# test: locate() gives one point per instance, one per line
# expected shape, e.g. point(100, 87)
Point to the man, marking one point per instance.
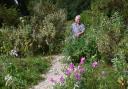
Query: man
point(77, 27)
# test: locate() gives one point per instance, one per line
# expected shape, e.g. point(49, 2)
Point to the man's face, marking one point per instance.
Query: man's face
point(77, 20)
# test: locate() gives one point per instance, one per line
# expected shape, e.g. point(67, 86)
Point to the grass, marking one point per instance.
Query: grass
point(21, 73)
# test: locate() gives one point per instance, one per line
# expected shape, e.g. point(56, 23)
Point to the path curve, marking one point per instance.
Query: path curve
point(55, 71)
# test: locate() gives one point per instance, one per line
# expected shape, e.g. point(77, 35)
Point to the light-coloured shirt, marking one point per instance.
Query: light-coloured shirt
point(76, 28)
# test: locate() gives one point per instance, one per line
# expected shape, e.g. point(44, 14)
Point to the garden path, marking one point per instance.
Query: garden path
point(55, 72)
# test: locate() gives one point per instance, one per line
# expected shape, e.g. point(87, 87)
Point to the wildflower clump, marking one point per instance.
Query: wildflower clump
point(71, 71)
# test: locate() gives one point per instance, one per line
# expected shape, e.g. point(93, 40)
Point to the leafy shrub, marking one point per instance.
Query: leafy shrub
point(73, 7)
point(83, 46)
point(109, 33)
point(41, 33)
point(48, 25)
point(8, 16)
point(109, 7)
point(15, 38)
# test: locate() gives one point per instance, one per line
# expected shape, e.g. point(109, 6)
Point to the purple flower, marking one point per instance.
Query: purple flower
point(81, 69)
point(94, 64)
point(62, 79)
point(71, 66)
point(68, 72)
point(77, 75)
point(82, 60)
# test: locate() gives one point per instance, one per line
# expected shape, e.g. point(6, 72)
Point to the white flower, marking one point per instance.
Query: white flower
point(76, 85)
point(14, 53)
point(8, 79)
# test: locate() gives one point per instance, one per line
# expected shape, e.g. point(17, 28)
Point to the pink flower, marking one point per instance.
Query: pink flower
point(82, 60)
point(81, 69)
point(94, 64)
point(52, 80)
point(62, 79)
point(68, 72)
point(71, 66)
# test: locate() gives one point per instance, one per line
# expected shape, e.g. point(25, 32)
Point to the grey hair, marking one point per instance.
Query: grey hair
point(77, 16)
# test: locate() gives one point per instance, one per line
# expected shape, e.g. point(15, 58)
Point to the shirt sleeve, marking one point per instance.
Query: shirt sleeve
point(73, 29)
point(82, 27)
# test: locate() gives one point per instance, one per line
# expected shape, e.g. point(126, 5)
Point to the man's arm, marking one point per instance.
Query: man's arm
point(82, 30)
point(80, 33)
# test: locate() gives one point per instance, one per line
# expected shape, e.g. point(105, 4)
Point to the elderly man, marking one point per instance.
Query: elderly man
point(77, 27)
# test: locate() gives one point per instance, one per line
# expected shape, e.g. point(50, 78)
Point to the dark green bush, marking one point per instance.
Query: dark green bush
point(73, 7)
point(109, 7)
point(84, 46)
point(8, 16)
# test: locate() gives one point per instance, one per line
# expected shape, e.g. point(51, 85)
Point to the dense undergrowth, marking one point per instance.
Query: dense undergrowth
point(98, 59)
point(21, 73)
point(104, 44)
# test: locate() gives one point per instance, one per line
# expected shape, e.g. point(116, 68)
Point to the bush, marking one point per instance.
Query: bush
point(8, 16)
point(109, 33)
point(73, 7)
point(41, 33)
point(109, 7)
point(15, 38)
point(80, 47)
point(49, 25)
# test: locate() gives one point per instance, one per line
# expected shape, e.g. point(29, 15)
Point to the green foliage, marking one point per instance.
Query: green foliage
point(109, 33)
point(123, 46)
point(49, 24)
point(109, 7)
point(18, 73)
point(8, 16)
point(41, 33)
point(12, 38)
point(70, 84)
point(73, 7)
point(105, 39)
point(103, 76)
point(76, 48)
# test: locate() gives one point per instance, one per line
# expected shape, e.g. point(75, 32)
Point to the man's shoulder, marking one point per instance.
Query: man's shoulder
point(82, 24)
point(73, 24)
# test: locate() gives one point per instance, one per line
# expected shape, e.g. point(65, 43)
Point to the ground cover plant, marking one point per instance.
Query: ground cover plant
point(21, 73)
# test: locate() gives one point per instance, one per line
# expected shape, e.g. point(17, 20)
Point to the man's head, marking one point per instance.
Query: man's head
point(77, 19)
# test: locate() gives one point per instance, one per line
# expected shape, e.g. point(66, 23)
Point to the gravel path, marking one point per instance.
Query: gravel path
point(54, 72)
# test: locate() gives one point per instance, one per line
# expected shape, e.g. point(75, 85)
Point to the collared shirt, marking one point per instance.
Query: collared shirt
point(76, 28)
